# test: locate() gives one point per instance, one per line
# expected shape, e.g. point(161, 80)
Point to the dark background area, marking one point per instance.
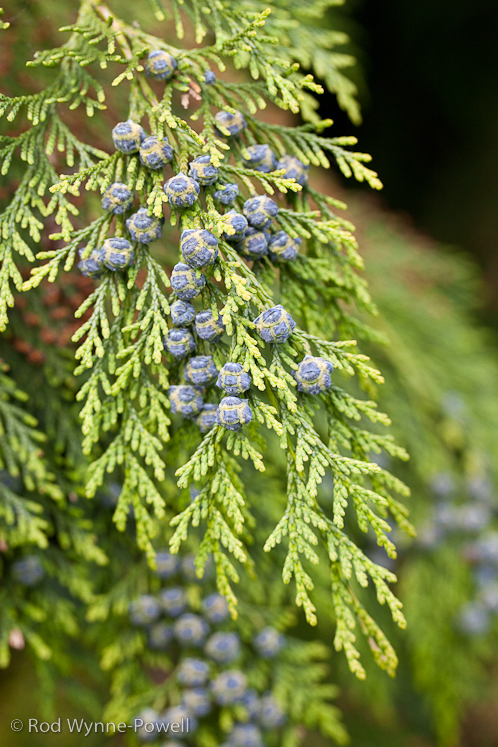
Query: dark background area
point(430, 108)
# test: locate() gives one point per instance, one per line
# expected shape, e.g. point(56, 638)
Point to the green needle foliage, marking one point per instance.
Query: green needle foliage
point(449, 415)
point(126, 423)
point(34, 512)
point(298, 490)
point(440, 370)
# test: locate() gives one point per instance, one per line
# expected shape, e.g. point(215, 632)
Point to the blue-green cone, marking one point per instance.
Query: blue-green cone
point(144, 610)
point(294, 169)
point(200, 370)
point(313, 375)
point(193, 672)
point(191, 630)
point(154, 153)
point(207, 417)
point(179, 342)
point(167, 565)
point(160, 65)
point(91, 266)
point(28, 571)
point(253, 245)
point(223, 647)
point(283, 248)
point(208, 328)
point(260, 158)
point(128, 136)
point(182, 314)
point(185, 282)
point(215, 607)
point(159, 636)
point(229, 687)
point(116, 253)
point(269, 642)
point(227, 194)
point(117, 199)
point(271, 716)
point(246, 735)
point(144, 227)
point(236, 221)
point(233, 379)
point(197, 702)
point(234, 123)
point(203, 171)
point(275, 324)
point(185, 400)
point(173, 600)
point(260, 210)
point(199, 247)
point(181, 191)
point(233, 413)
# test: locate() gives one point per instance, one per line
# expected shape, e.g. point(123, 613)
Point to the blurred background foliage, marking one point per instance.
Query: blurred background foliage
point(426, 83)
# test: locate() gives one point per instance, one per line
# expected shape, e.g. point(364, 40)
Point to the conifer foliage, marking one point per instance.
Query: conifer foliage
point(242, 681)
point(246, 341)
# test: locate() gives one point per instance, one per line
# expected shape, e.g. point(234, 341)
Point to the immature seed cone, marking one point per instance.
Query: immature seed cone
point(253, 245)
point(275, 324)
point(271, 716)
point(234, 123)
point(143, 227)
point(128, 136)
point(203, 171)
point(28, 571)
point(181, 191)
point(260, 210)
point(196, 701)
point(294, 169)
point(215, 607)
point(233, 379)
point(246, 735)
point(117, 199)
point(260, 158)
point(154, 153)
point(193, 672)
point(179, 714)
point(283, 248)
point(179, 342)
point(185, 282)
point(191, 630)
point(91, 266)
point(160, 65)
point(185, 400)
point(223, 648)
point(167, 565)
point(206, 420)
point(116, 253)
point(173, 601)
point(227, 194)
point(159, 636)
point(237, 222)
point(200, 370)
point(229, 687)
point(144, 610)
point(313, 375)
point(182, 314)
point(269, 643)
point(208, 328)
point(233, 413)
point(199, 247)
